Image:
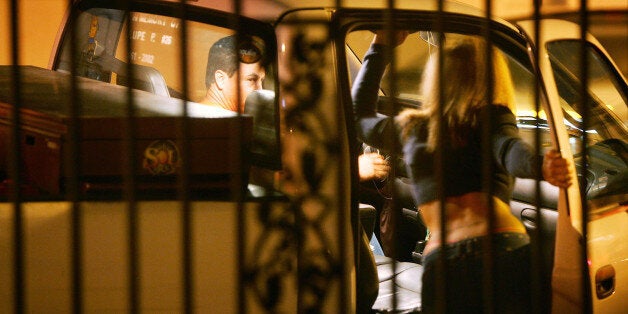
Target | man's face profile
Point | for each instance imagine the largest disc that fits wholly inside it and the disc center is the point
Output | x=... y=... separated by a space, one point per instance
x=236 y=71
x=251 y=77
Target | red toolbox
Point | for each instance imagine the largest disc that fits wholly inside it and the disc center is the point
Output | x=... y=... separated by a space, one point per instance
x=217 y=145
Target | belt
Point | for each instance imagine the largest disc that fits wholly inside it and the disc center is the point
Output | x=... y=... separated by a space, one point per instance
x=500 y=242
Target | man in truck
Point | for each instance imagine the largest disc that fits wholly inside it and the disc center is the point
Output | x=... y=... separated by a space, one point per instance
x=225 y=57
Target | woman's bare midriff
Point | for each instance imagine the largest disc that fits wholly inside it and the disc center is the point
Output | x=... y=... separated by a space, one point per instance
x=467 y=216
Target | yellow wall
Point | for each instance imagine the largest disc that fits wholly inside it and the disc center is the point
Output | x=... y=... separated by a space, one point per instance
x=39 y=22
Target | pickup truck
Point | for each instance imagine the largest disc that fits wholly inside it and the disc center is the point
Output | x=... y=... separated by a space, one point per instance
x=123 y=193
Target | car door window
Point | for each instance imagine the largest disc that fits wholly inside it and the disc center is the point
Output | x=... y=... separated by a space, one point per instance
x=605 y=176
x=414 y=53
x=156 y=41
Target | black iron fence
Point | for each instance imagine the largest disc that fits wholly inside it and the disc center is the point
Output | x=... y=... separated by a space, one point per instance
x=118 y=199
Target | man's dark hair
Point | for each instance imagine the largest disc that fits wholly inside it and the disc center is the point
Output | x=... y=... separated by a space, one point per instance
x=224 y=56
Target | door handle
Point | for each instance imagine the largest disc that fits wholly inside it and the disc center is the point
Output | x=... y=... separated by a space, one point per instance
x=605 y=281
x=528 y=217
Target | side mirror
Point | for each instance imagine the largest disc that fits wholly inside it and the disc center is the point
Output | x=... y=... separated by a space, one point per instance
x=260 y=104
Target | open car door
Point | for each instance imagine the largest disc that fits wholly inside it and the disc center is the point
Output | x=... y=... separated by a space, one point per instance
x=593 y=210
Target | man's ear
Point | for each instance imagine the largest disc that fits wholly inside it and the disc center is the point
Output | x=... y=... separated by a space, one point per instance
x=220 y=77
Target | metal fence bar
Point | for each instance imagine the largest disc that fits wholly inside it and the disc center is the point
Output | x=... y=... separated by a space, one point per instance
x=72 y=174
x=184 y=173
x=238 y=195
x=345 y=202
x=540 y=294
x=395 y=221
x=488 y=257
x=583 y=99
x=128 y=173
x=441 y=286
x=15 y=195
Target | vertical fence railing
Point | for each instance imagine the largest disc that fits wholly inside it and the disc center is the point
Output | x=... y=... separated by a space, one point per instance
x=584 y=99
x=540 y=294
x=488 y=168
x=441 y=266
x=391 y=85
x=128 y=174
x=344 y=202
x=187 y=269
x=540 y=291
x=241 y=219
x=14 y=162
x=71 y=160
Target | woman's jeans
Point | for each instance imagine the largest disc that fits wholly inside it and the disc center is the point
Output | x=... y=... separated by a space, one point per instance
x=464 y=279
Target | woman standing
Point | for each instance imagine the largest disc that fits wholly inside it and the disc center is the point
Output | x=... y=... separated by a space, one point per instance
x=473 y=217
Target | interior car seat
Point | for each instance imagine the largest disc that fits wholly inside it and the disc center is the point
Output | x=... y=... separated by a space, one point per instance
x=147 y=79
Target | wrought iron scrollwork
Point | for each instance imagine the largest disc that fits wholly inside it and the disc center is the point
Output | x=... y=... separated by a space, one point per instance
x=293 y=238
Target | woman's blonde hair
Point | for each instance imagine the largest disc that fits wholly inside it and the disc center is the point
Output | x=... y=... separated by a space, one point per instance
x=465 y=90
